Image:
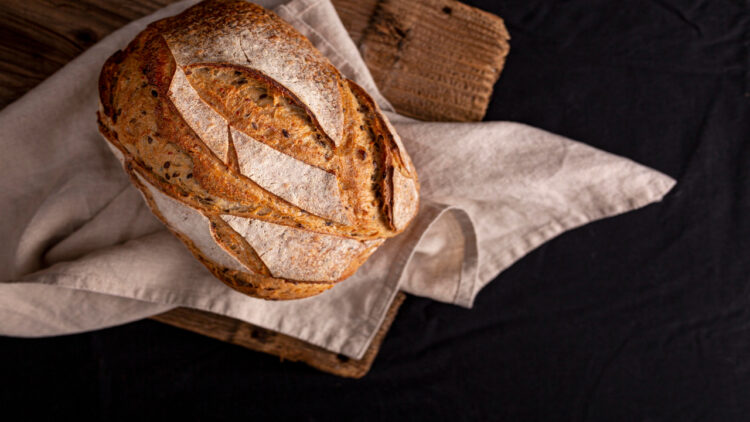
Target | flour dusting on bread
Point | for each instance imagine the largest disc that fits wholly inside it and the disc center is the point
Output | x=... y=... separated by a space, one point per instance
x=208 y=124
x=254 y=37
x=295 y=253
x=305 y=186
x=278 y=174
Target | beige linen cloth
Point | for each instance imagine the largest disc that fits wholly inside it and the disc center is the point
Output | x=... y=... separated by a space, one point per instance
x=81 y=251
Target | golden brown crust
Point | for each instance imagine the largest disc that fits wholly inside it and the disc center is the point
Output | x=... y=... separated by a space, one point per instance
x=257 y=285
x=325 y=128
x=244 y=33
x=264 y=109
x=400 y=191
x=237 y=246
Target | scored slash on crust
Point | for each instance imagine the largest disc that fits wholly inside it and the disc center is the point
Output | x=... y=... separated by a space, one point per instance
x=295 y=253
x=288 y=253
x=303 y=185
x=308 y=187
x=227 y=85
x=193 y=224
x=207 y=123
x=296 y=257
x=272 y=49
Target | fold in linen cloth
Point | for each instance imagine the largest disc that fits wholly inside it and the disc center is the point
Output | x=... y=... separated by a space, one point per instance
x=81 y=251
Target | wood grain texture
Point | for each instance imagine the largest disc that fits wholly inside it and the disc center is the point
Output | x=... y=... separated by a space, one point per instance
x=435 y=59
x=356 y=16
x=37 y=37
x=422 y=70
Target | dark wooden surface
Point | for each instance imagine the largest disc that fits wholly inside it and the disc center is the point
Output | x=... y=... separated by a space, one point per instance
x=435 y=59
x=37 y=37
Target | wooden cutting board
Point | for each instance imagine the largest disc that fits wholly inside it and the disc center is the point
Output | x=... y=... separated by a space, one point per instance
x=432 y=59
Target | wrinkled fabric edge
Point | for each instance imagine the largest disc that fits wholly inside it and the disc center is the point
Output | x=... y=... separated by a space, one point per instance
x=429 y=213
x=654 y=192
x=293 y=13
x=12 y=287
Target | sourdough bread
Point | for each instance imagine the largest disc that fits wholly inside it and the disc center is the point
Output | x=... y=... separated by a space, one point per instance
x=281 y=176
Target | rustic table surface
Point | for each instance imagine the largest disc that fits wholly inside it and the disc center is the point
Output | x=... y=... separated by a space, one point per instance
x=433 y=59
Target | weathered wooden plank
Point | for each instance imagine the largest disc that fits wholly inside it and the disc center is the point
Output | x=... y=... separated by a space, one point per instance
x=435 y=59
x=37 y=37
x=356 y=15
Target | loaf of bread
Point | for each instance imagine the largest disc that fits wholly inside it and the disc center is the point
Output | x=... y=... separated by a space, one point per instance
x=281 y=176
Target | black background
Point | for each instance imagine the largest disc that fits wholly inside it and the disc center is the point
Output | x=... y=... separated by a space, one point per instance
x=645 y=316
